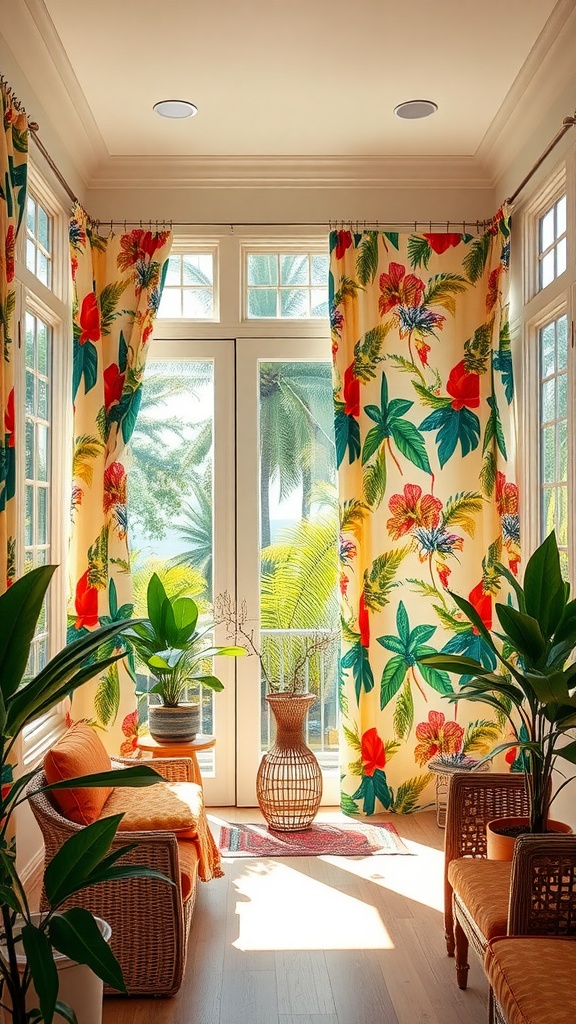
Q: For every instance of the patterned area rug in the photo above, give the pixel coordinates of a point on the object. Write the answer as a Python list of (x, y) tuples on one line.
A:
[(346, 839)]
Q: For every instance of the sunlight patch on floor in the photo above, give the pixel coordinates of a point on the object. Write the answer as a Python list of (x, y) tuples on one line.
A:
[(425, 884), (282, 908)]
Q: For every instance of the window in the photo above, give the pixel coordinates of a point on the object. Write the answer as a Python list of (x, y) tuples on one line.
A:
[(42, 404), (189, 287), (546, 399), (553, 349), (39, 241), (286, 285)]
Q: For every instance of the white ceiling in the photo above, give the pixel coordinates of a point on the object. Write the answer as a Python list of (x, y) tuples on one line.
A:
[(299, 79)]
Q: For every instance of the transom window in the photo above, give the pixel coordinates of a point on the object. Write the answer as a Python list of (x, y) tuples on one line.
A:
[(39, 241), (189, 287), (552, 242), (286, 285), (553, 344)]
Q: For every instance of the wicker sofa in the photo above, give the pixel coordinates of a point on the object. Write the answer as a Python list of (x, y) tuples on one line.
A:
[(150, 920)]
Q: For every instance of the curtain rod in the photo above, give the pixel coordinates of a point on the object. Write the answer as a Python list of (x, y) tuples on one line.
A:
[(567, 123)]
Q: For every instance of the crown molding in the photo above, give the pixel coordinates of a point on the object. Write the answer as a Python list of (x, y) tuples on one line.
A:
[(290, 172), (543, 76)]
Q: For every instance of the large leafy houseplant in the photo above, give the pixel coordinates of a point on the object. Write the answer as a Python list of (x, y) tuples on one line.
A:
[(172, 647), (85, 858), (535, 688)]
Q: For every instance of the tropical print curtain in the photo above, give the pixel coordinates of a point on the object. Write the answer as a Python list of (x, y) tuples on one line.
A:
[(117, 287), (13, 176), (423, 390)]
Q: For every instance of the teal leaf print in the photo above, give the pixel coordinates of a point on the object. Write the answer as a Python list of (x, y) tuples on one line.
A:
[(494, 428), (411, 444), (391, 424), (85, 365), (347, 434), (392, 678), (409, 645), (392, 237), (371, 788), (358, 660), (502, 362), (453, 426)]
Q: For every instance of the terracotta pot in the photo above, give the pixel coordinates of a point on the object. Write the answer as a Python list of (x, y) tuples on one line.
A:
[(289, 780), (500, 846), (179, 724)]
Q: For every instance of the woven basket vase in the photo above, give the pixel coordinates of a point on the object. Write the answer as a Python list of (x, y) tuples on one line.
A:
[(289, 780)]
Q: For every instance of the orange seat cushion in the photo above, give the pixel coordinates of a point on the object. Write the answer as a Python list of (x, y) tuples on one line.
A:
[(484, 888), (533, 978), (188, 857), (169, 806), (79, 752)]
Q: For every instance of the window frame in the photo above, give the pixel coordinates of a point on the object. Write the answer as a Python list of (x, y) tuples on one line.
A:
[(538, 307), (184, 245), (52, 306)]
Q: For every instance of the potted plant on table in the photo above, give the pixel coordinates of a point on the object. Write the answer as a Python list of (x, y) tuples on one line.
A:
[(175, 652), (28, 940), (535, 688)]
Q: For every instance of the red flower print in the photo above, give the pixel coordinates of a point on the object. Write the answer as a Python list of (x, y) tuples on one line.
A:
[(440, 243), (114, 485), (398, 290), (482, 602), (351, 392), (423, 349), (437, 736), (344, 581), (9, 248), (344, 242), (113, 385), (511, 755), (130, 729), (89, 319), (139, 245), (86, 604), (363, 622), (9, 420), (506, 496), (493, 289), (412, 509), (373, 753), (444, 573), (464, 387)]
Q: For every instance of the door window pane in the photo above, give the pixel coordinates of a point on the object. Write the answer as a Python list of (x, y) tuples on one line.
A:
[(170, 498), (553, 415), (299, 529)]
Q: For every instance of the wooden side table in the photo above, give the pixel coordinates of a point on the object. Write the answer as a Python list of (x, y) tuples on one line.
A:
[(185, 748)]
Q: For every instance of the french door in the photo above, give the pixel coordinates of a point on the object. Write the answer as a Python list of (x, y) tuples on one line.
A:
[(246, 517)]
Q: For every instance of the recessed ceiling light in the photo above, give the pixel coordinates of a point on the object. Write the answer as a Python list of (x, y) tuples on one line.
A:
[(175, 108), (413, 109)]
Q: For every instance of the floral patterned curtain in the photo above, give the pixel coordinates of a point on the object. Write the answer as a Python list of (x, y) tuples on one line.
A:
[(117, 286), (13, 177), (423, 396)]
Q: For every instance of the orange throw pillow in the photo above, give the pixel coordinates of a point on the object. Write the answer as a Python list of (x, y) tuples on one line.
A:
[(79, 752)]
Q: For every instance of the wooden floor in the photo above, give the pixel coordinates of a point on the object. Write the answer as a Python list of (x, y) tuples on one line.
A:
[(320, 940)]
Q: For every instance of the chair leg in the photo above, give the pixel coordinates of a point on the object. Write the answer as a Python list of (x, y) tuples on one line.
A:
[(450, 944), (462, 965)]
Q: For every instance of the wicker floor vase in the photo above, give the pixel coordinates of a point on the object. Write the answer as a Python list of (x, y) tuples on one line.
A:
[(289, 780)]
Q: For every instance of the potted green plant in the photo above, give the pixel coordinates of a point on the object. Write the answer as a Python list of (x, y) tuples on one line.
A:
[(84, 859), (175, 652), (535, 688)]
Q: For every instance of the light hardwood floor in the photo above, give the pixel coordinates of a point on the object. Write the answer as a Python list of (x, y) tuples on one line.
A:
[(320, 940)]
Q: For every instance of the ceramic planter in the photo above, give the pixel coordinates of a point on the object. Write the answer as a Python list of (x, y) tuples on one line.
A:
[(500, 846), (179, 724), (78, 986)]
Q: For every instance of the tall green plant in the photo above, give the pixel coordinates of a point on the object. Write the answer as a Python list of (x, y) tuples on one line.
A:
[(85, 858), (536, 687)]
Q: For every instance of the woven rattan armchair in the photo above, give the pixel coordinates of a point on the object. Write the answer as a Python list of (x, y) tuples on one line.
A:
[(150, 920), (534, 895)]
